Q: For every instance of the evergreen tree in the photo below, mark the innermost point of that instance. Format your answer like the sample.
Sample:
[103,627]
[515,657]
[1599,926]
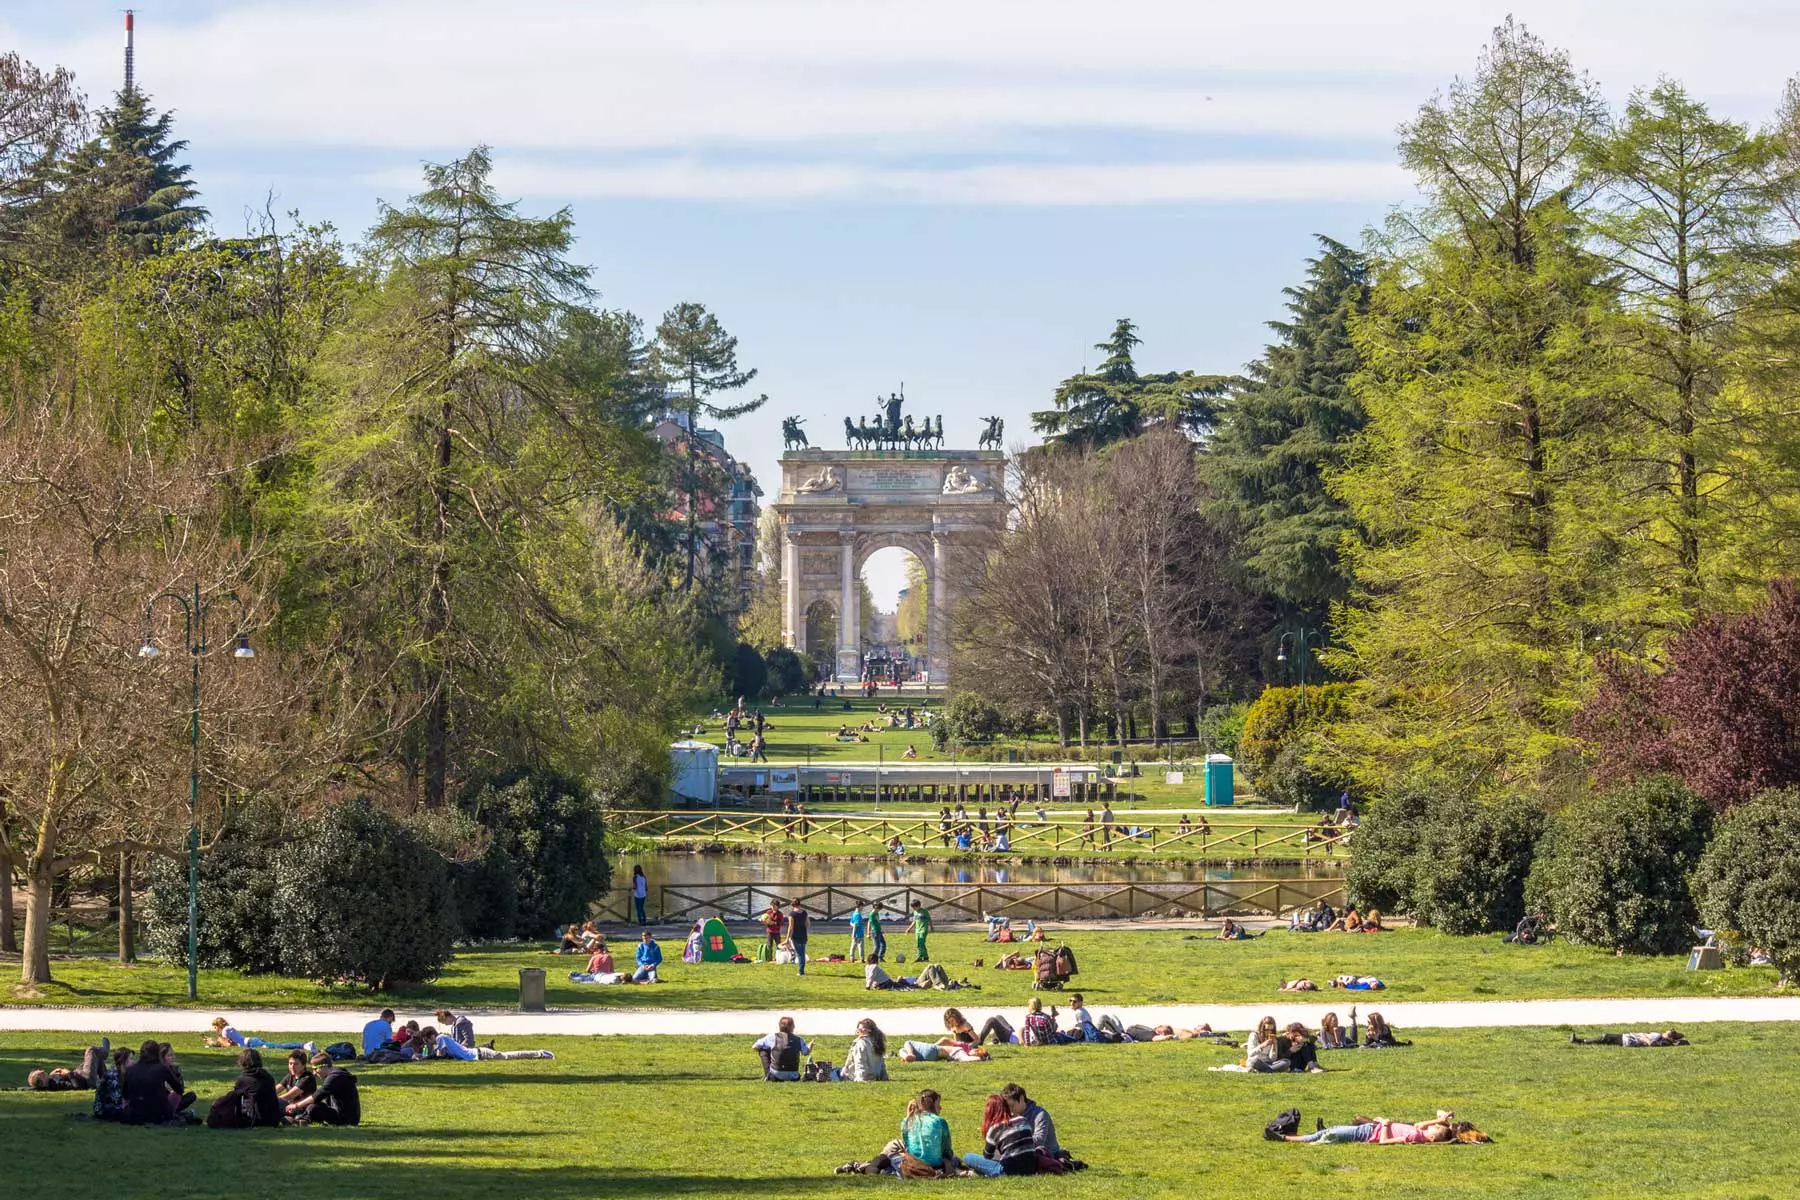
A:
[698,359]
[136,144]
[1116,402]
[1484,578]
[1284,427]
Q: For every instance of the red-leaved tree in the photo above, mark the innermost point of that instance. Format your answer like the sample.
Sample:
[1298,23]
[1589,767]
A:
[1723,714]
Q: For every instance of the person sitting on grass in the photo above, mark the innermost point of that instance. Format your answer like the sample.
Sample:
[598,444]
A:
[78,1079]
[109,1088]
[378,1031]
[460,1028]
[1380,1034]
[335,1101]
[252,1100]
[1043,1130]
[1039,1028]
[299,1082]
[961,1031]
[1007,1148]
[1379,1131]
[926,1134]
[649,957]
[1358,983]
[865,1061]
[601,963]
[1297,1046]
[780,1052]
[1350,922]
[1371,922]
[1668,1037]
[152,1089]
[223,1036]
[1297,985]
[1263,1051]
[1333,1036]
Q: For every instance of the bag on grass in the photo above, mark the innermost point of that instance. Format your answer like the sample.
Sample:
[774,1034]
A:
[341,1052]
[916,1168]
[1285,1125]
[227,1112]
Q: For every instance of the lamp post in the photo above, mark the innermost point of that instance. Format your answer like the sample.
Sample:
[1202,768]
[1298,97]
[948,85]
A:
[1298,638]
[195,612]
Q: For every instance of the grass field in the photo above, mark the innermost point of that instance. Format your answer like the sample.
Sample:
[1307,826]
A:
[1118,967]
[685,1117]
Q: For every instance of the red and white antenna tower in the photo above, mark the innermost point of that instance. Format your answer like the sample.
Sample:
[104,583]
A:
[128,23]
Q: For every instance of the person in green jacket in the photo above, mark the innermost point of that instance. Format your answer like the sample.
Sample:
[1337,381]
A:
[921,925]
[877,941]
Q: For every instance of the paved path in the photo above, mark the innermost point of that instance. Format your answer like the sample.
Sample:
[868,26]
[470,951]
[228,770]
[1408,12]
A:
[912,1022]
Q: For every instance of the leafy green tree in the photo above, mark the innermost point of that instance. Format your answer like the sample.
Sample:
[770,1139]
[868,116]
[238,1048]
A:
[1612,869]
[1748,879]
[552,832]
[1683,223]
[697,359]
[1482,574]
[1117,402]
[1282,429]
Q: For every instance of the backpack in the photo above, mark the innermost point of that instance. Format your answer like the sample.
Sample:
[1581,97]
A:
[1285,1125]
[341,1052]
[816,1072]
[227,1112]
[1065,962]
[109,1097]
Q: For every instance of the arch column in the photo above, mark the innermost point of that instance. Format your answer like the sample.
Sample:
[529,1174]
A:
[849,647]
[937,628]
[793,621]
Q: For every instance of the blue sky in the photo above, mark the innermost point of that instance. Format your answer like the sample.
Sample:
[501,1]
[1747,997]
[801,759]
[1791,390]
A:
[960,197]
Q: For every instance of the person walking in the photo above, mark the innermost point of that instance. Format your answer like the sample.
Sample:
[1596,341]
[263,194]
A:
[799,929]
[640,891]
[878,950]
[859,925]
[921,926]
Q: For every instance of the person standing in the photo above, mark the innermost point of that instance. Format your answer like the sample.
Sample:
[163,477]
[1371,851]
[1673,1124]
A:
[1106,824]
[859,924]
[799,929]
[773,922]
[878,950]
[640,891]
[921,926]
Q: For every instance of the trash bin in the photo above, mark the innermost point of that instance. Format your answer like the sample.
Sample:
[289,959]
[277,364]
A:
[1218,782]
[1705,958]
[531,989]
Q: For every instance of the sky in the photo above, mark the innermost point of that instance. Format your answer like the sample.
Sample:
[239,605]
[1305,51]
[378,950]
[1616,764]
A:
[957,199]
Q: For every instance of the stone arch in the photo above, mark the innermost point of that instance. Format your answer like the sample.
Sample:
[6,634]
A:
[819,633]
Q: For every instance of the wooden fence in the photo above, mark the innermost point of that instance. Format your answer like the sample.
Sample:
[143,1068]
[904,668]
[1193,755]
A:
[975,902]
[1054,834]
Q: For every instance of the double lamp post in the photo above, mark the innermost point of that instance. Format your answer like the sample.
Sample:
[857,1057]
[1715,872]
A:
[195,611]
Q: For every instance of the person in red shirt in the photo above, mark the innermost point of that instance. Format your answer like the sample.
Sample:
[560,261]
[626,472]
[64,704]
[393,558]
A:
[774,921]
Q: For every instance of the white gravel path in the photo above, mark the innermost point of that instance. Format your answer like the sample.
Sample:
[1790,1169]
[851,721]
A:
[911,1022]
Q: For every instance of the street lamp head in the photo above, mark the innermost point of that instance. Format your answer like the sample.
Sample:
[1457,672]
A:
[1281,656]
[149,650]
[243,647]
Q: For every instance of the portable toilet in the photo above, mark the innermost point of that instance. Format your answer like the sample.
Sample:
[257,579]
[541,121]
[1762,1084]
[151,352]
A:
[695,773]
[1218,779]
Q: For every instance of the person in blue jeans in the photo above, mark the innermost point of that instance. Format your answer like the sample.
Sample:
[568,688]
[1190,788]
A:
[799,929]
[640,890]
[859,926]
[880,951]
[649,957]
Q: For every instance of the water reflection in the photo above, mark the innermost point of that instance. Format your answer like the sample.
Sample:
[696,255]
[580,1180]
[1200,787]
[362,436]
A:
[686,870]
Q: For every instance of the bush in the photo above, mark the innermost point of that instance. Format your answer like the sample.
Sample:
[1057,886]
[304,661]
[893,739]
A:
[1382,856]
[360,897]
[485,894]
[788,673]
[1612,870]
[237,898]
[552,834]
[1222,726]
[1469,871]
[968,719]
[1292,719]
[1748,879]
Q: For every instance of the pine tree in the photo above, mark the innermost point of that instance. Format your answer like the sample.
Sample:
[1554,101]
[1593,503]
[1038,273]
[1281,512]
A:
[1284,427]
[135,143]
[698,359]
[1116,402]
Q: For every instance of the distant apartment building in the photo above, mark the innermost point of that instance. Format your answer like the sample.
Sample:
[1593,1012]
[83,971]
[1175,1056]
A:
[727,510]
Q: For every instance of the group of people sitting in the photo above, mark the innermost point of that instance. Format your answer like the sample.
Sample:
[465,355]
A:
[1296,1048]
[600,968]
[1017,1138]
[385,1041]
[147,1088]
[781,1053]
[1324,919]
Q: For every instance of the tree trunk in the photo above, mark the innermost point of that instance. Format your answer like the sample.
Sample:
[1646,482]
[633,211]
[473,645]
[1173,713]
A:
[127,920]
[34,964]
[9,941]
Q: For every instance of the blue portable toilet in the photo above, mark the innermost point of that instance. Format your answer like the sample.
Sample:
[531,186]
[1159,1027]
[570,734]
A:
[1218,780]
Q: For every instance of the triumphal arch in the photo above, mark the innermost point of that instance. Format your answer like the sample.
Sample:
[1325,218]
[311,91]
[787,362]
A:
[893,487]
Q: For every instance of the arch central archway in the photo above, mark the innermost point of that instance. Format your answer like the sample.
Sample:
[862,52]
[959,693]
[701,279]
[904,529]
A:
[838,507]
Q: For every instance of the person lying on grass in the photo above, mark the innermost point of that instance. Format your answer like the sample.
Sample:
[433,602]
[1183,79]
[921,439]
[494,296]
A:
[1297,985]
[1668,1037]
[946,1049]
[1231,931]
[77,1079]
[223,1036]
[1358,983]
[432,1044]
[1379,1131]
[997,1027]
[1350,922]
[1200,1032]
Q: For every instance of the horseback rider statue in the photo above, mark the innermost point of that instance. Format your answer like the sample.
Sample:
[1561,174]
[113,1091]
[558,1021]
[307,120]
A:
[792,435]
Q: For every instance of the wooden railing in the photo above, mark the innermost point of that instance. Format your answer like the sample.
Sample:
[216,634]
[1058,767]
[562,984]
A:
[975,902]
[1055,834]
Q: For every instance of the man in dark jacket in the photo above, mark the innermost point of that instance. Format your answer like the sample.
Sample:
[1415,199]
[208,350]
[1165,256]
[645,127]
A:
[334,1102]
[251,1101]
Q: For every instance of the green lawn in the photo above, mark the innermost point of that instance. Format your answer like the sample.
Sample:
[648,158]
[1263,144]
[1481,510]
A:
[674,1116]
[1118,967]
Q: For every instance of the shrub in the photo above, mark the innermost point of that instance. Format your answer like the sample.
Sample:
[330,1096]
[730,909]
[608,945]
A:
[788,674]
[1748,879]
[1468,873]
[485,894]
[1306,772]
[1222,726]
[1612,870]
[552,833]
[360,897]
[1282,718]
[969,719]
[1381,861]
[237,893]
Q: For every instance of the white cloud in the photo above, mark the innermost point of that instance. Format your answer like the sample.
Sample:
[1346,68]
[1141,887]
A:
[870,100]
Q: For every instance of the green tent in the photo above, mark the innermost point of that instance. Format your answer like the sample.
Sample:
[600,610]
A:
[715,942]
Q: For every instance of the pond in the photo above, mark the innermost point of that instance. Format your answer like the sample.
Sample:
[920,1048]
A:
[691,870]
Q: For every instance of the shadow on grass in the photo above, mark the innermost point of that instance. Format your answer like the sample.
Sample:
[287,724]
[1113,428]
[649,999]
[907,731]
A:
[395,1076]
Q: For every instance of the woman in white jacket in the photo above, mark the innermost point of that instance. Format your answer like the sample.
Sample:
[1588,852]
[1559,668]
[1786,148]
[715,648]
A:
[865,1061]
[1262,1051]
